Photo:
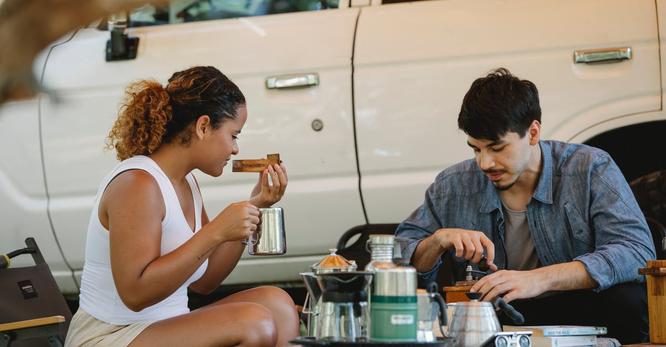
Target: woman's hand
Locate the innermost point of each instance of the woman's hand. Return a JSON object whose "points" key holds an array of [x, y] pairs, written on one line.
{"points": [[266, 193], [237, 222]]}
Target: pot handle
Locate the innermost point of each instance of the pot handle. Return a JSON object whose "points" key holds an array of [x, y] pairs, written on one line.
{"points": [[433, 290], [510, 311]]}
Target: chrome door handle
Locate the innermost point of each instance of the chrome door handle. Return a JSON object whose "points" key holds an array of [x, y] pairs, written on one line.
{"points": [[602, 55], [292, 81]]}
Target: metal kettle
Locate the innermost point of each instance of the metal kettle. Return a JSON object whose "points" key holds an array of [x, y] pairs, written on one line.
{"points": [[471, 323], [474, 322]]}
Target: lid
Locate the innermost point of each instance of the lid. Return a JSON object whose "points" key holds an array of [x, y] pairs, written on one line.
{"points": [[394, 280], [380, 239], [334, 263]]}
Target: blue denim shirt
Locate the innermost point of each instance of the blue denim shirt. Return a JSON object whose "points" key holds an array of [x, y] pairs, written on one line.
{"points": [[582, 209]]}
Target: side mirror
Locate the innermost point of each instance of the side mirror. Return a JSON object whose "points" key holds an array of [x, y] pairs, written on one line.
{"points": [[120, 46]]}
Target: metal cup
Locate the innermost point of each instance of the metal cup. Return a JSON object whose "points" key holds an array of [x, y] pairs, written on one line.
{"points": [[270, 237]]}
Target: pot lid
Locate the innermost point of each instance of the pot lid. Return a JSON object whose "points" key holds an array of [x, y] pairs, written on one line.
{"points": [[334, 262], [380, 239]]}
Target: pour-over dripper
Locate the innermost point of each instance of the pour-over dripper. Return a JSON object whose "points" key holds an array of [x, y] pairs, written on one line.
{"points": [[344, 302], [345, 286]]}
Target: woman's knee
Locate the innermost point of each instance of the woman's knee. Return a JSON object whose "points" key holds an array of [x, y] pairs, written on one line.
{"points": [[274, 293], [276, 296], [258, 325]]}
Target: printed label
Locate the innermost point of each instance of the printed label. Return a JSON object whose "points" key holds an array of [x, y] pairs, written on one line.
{"points": [[402, 319]]}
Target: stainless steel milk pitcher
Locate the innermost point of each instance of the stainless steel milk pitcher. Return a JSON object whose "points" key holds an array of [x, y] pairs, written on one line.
{"points": [[270, 237]]}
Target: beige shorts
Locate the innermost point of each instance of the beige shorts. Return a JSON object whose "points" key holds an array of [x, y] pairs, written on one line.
{"points": [[86, 330]]}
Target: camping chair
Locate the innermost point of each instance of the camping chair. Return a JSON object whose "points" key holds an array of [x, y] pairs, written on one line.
{"points": [[650, 193], [355, 249], [32, 309]]}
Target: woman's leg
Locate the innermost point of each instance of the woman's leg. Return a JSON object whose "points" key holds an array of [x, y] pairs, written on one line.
{"points": [[231, 324], [278, 302]]}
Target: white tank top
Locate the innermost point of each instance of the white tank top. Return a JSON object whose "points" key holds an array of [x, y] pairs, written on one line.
{"points": [[99, 296]]}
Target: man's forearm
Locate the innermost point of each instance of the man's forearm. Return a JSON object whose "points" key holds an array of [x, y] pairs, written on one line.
{"points": [[566, 276], [427, 253]]}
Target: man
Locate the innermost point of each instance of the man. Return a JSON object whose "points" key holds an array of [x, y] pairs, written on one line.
{"points": [[558, 223]]}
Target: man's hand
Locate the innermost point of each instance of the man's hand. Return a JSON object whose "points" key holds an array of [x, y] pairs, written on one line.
{"points": [[511, 284], [528, 284], [468, 244]]}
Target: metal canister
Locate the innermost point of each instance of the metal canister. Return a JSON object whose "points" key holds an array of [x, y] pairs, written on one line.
{"points": [[394, 310]]}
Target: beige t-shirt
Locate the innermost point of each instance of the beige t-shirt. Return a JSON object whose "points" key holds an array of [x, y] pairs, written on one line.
{"points": [[520, 251]]}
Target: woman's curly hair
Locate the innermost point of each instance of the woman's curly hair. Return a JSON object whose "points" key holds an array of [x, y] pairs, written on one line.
{"points": [[152, 114]]}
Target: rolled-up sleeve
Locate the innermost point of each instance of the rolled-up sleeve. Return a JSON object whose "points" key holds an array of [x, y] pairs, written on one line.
{"points": [[623, 242], [422, 223]]}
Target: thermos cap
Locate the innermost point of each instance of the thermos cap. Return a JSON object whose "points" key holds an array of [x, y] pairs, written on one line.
{"points": [[380, 239], [395, 281]]}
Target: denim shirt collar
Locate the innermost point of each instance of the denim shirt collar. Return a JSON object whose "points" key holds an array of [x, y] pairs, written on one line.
{"points": [[542, 193], [544, 189]]}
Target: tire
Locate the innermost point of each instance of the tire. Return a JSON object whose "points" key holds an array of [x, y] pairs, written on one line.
{"points": [[650, 192]]}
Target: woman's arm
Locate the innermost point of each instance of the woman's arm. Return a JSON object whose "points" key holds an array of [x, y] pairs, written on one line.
{"points": [[221, 262], [133, 208]]}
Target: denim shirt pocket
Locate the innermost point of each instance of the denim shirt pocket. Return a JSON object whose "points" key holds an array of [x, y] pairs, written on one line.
{"points": [[582, 238]]}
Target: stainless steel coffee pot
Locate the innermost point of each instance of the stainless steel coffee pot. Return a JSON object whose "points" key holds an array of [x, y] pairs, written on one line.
{"points": [[313, 306], [472, 322]]}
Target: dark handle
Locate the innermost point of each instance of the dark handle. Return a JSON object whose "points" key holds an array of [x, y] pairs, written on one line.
{"points": [[483, 264], [5, 259], [510, 311], [473, 295], [433, 290], [118, 43]]}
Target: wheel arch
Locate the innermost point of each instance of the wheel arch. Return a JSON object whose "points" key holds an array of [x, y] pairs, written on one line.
{"points": [[636, 148]]}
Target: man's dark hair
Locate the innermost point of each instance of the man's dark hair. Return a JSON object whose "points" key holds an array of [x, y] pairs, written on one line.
{"points": [[497, 104]]}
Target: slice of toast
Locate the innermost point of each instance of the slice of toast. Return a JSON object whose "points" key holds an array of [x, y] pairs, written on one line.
{"points": [[255, 165]]}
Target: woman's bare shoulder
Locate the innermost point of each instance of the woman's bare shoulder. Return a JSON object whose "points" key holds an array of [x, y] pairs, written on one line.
{"points": [[133, 187]]}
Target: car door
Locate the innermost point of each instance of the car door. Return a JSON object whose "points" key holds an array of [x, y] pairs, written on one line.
{"points": [[310, 126], [410, 79]]}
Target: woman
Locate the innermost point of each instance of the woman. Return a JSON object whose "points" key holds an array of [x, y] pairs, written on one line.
{"points": [[150, 239]]}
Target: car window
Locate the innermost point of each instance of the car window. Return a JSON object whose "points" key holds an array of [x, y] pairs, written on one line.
{"points": [[182, 11]]}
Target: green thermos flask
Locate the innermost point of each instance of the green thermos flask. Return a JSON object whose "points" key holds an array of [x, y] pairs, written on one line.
{"points": [[393, 307]]}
